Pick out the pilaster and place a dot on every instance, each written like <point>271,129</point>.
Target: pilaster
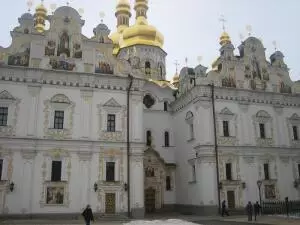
<point>33,110</point>
<point>137,185</point>
<point>86,113</point>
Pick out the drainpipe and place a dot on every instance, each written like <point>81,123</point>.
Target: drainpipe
<point>216,144</point>
<point>130,77</point>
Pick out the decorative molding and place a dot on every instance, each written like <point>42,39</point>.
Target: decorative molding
<point>13,105</point>
<point>61,102</point>
<point>249,159</point>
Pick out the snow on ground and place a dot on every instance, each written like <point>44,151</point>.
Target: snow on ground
<point>159,222</point>
<point>291,216</point>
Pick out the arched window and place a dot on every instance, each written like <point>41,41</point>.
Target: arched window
<point>189,118</point>
<point>167,139</point>
<point>168,183</point>
<point>161,72</point>
<point>148,138</point>
<point>165,106</point>
<point>147,68</point>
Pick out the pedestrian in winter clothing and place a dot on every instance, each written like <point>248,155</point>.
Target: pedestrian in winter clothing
<point>88,215</point>
<point>224,210</point>
<point>257,208</point>
<point>249,209</point>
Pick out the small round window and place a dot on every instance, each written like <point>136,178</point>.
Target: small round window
<point>148,101</point>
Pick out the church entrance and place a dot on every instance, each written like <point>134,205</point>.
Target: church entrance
<point>110,203</point>
<point>150,200</point>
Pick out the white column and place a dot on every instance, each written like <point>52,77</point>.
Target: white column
<point>137,185</point>
<point>136,118</point>
<point>28,181</point>
<point>33,110</point>
<point>85,115</point>
<point>244,126</point>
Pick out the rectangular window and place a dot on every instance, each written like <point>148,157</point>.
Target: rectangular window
<point>110,171</point>
<point>228,171</point>
<point>59,119</point>
<point>262,130</point>
<point>168,183</point>
<point>295,133</point>
<point>191,131</point>
<point>194,173</point>
<point>225,129</point>
<point>167,140</point>
<point>111,123</point>
<point>3,116</point>
<point>56,171</point>
<point>1,168</point>
<point>266,171</point>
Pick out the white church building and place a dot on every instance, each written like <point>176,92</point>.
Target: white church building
<point>94,121</point>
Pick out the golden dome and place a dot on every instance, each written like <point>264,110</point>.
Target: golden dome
<point>41,9</point>
<point>175,78</point>
<point>225,39</point>
<point>40,17</point>
<point>141,32</point>
<point>123,6</point>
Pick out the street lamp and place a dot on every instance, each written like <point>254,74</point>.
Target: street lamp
<point>259,183</point>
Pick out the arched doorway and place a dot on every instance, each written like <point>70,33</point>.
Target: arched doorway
<point>154,180</point>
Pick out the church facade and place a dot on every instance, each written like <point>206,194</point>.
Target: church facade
<point>94,121</point>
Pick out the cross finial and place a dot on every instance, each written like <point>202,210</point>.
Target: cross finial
<point>249,29</point>
<point>29,4</point>
<point>186,61</point>
<point>223,21</point>
<point>176,65</point>
<point>102,15</point>
<point>275,45</point>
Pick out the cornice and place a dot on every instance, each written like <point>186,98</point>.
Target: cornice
<point>67,79</point>
<point>239,96</point>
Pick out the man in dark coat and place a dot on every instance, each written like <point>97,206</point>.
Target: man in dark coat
<point>224,210</point>
<point>256,210</point>
<point>88,215</point>
<point>249,209</point>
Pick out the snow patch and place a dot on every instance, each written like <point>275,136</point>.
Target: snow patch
<point>159,222</point>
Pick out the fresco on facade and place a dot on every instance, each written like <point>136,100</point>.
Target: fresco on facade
<point>61,64</point>
<point>19,59</point>
<point>50,48</point>
<point>55,195</point>
<point>77,51</point>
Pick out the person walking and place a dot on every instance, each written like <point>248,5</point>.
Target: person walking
<point>257,209</point>
<point>224,210</point>
<point>88,215</point>
<point>249,209</point>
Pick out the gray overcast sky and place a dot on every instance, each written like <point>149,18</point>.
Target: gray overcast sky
<point>191,27</point>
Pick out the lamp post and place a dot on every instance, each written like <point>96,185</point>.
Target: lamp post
<point>259,183</point>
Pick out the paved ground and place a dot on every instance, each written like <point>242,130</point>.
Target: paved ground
<point>232,220</point>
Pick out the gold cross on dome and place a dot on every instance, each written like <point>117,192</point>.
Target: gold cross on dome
<point>176,64</point>
<point>223,21</point>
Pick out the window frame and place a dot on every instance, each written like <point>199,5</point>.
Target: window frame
<point>148,138</point>
<point>3,114</point>
<point>262,131</point>
<point>226,128</point>
<point>111,123</point>
<point>266,171</point>
<point>228,170</point>
<point>167,138</point>
<point>59,119</point>
<point>295,133</point>
<point>168,183</point>
<point>55,177</point>
<point>110,165</point>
